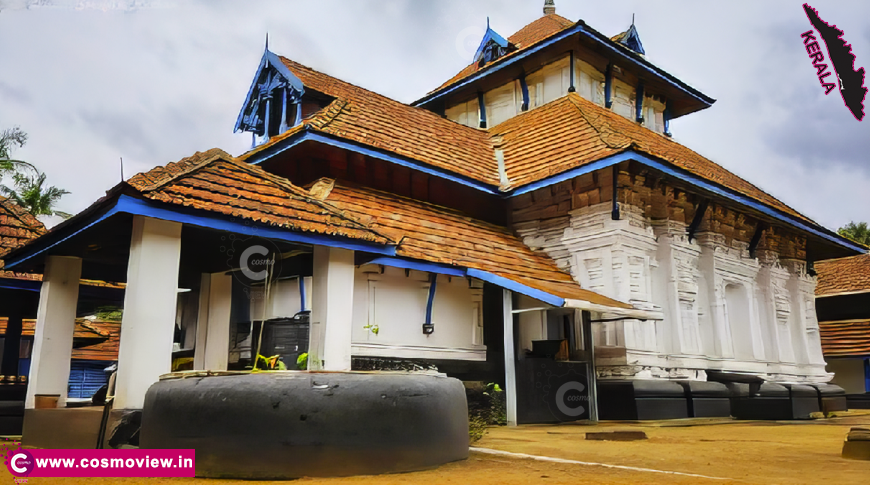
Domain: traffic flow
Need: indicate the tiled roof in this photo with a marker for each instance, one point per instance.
(844, 275)
(442, 235)
(571, 132)
(17, 226)
(379, 122)
(105, 349)
(215, 181)
(105, 334)
(845, 338)
(529, 35)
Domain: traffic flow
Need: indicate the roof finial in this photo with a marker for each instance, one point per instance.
(267, 40)
(632, 18)
(549, 7)
(487, 23)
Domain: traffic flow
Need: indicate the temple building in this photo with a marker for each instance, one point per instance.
(530, 222)
(843, 307)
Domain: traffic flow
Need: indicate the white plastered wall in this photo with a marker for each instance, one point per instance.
(394, 305)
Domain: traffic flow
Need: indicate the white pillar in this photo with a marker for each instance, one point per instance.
(55, 324)
(331, 309)
(150, 301)
(216, 349)
(510, 361)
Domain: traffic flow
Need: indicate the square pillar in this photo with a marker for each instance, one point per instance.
(213, 322)
(150, 305)
(510, 359)
(55, 324)
(332, 309)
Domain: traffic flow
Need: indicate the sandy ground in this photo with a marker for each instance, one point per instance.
(725, 451)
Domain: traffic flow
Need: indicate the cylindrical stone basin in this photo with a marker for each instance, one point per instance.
(317, 424)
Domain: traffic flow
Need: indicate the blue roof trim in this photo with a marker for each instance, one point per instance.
(516, 287)
(694, 180)
(131, 205)
(16, 284)
(490, 35)
(269, 59)
(404, 263)
(577, 28)
(294, 140)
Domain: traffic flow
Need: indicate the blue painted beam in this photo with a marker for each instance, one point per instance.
(638, 102)
(296, 139)
(524, 87)
(482, 107)
(428, 327)
(571, 87)
(517, 287)
(303, 297)
(696, 181)
(667, 117)
(125, 204)
(608, 86)
(405, 263)
(585, 31)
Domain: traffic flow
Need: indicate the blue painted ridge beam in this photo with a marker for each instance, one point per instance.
(481, 105)
(296, 139)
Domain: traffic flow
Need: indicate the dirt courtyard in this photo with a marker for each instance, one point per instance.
(717, 450)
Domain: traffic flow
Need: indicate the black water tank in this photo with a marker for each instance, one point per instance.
(286, 337)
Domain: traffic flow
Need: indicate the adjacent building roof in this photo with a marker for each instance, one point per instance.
(92, 339)
(17, 226)
(570, 132)
(529, 35)
(214, 181)
(843, 276)
(441, 235)
(848, 338)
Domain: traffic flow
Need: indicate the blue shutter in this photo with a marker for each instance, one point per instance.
(86, 377)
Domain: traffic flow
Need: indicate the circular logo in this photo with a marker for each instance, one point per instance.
(20, 463)
(252, 260)
(568, 398)
(467, 41)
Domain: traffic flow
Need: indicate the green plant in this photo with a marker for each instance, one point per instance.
(373, 327)
(271, 363)
(497, 404)
(302, 361)
(476, 428)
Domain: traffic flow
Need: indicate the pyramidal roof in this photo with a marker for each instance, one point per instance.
(630, 38)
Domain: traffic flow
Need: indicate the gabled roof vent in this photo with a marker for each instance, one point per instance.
(630, 38)
(491, 47)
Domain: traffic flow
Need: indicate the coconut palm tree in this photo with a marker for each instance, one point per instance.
(28, 182)
(29, 192)
(858, 232)
(9, 139)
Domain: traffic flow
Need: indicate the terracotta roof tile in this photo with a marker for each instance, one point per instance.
(529, 35)
(844, 275)
(215, 181)
(571, 132)
(379, 122)
(106, 336)
(442, 235)
(845, 338)
(17, 226)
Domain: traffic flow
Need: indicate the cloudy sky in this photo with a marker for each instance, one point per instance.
(154, 81)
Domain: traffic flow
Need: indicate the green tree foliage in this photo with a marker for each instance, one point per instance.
(28, 184)
(858, 232)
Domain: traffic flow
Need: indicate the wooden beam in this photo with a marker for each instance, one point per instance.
(699, 216)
